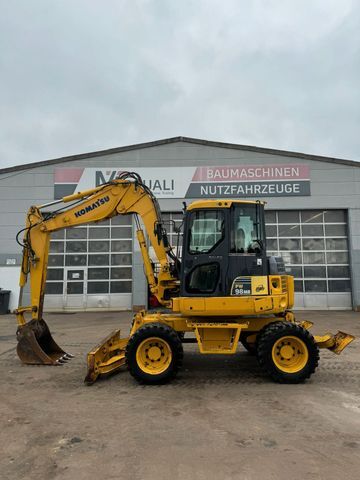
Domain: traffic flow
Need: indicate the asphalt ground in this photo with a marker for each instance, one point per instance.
(221, 418)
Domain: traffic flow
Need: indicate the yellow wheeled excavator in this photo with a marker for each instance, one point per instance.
(224, 289)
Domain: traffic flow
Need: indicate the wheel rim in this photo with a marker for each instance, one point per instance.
(153, 355)
(290, 354)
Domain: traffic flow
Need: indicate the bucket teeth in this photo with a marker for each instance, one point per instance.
(65, 358)
(61, 360)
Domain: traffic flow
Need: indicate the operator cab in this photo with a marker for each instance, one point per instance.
(224, 241)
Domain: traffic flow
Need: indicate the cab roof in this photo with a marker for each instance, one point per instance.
(221, 203)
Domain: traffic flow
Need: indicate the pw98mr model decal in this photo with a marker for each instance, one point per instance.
(256, 285)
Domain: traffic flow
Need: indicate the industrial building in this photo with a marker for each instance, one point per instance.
(313, 218)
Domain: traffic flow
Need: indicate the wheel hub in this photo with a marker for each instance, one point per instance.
(153, 355)
(287, 352)
(290, 354)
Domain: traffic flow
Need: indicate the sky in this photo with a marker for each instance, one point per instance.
(83, 75)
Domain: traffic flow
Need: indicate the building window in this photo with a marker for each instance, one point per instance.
(173, 223)
(102, 252)
(314, 246)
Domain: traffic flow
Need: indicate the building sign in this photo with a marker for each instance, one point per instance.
(240, 181)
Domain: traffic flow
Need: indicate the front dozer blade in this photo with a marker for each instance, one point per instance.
(107, 357)
(36, 345)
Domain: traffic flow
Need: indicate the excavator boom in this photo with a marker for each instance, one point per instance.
(125, 195)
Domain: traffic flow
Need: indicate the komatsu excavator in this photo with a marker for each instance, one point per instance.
(224, 289)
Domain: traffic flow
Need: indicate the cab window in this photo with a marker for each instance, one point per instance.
(203, 279)
(206, 230)
(246, 235)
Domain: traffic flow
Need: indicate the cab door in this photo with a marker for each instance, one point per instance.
(205, 253)
(248, 266)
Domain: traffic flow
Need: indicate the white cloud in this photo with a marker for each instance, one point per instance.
(85, 75)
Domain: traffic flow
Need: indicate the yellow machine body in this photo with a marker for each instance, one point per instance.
(256, 305)
(220, 337)
(281, 297)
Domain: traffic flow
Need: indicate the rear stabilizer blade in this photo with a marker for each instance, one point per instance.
(342, 340)
(335, 343)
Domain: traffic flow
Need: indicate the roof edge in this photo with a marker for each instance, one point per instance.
(197, 141)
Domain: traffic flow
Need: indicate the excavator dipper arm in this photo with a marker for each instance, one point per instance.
(125, 195)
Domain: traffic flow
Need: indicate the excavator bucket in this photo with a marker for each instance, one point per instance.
(36, 345)
(107, 357)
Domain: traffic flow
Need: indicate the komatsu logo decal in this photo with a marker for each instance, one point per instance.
(91, 207)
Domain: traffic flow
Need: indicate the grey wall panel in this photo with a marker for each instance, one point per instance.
(26, 298)
(338, 301)
(283, 203)
(332, 186)
(27, 192)
(356, 279)
(10, 256)
(9, 248)
(189, 154)
(9, 231)
(10, 209)
(174, 159)
(355, 216)
(354, 244)
(312, 203)
(13, 218)
(167, 155)
(321, 175)
(33, 178)
(18, 206)
(139, 281)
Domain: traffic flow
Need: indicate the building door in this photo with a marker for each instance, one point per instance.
(314, 246)
(75, 290)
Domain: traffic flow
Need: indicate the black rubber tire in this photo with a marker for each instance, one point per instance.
(250, 347)
(273, 332)
(181, 336)
(154, 330)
